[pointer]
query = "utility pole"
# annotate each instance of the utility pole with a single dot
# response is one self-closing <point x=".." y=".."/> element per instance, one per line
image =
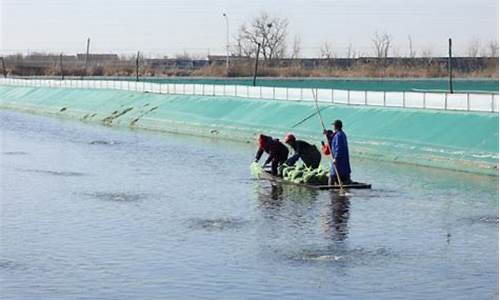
<point x="61" y="65"/>
<point x="227" y="41"/>
<point x="3" y="68"/>
<point x="137" y="67"/>
<point x="87" y="58"/>
<point x="450" y="83"/>
<point x="258" y="51"/>
<point x="256" y="64"/>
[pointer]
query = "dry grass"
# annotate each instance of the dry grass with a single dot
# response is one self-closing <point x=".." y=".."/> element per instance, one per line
<point x="365" y="70"/>
<point x="246" y="69"/>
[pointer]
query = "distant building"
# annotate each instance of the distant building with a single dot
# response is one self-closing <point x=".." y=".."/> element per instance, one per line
<point x="220" y="60"/>
<point x="48" y="58"/>
<point x="99" y="58"/>
<point x="175" y="63"/>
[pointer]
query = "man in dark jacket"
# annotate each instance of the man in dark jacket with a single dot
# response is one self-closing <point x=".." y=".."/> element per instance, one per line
<point x="303" y="150"/>
<point x="278" y="153"/>
<point x="340" y="154"/>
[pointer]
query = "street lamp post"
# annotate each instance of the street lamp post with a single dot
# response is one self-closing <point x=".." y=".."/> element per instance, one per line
<point x="227" y="40"/>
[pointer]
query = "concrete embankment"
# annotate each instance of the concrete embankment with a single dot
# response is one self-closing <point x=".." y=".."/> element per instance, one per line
<point x="452" y="140"/>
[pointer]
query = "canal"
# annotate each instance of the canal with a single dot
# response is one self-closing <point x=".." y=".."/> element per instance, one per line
<point x="89" y="212"/>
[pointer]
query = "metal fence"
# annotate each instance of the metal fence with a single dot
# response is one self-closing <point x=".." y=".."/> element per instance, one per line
<point x="419" y="100"/>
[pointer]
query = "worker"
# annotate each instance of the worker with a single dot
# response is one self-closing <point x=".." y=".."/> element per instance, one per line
<point x="340" y="154"/>
<point x="278" y="152"/>
<point x="308" y="153"/>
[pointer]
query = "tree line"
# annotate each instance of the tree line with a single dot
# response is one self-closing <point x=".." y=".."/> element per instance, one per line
<point x="271" y="34"/>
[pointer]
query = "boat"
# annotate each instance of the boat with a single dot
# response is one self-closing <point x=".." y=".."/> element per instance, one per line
<point x="265" y="174"/>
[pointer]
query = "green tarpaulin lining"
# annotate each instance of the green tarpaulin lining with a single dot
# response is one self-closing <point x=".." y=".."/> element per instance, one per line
<point x="454" y="140"/>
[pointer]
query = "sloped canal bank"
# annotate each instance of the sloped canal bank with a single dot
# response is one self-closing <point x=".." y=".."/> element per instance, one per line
<point x="464" y="141"/>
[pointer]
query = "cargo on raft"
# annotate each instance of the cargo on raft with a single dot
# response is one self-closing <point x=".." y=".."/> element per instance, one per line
<point x="303" y="176"/>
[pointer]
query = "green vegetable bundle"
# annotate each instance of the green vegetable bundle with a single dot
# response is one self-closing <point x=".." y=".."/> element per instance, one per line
<point x="304" y="175"/>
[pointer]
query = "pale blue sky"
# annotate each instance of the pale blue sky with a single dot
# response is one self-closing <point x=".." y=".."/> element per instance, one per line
<point x="172" y="26"/>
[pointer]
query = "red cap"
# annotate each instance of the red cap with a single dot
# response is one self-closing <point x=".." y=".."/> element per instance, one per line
<point x="289" y="137"/>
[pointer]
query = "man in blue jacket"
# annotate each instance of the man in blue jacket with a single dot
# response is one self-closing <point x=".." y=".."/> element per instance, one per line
<point x="340" y="154"/>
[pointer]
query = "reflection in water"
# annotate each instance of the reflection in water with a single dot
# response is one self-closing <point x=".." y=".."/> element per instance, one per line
<point x="276" y="192"/>
<point x="341" y="255"/>
<point x="276" y="195"/>
<point x="335" y="219"/>
<point x="117" y="196"/>
<point x="217" y="224"/>
<point x="270" y="197"/>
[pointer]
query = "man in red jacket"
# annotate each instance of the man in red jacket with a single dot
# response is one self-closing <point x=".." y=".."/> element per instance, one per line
<point x="278" y="152"/>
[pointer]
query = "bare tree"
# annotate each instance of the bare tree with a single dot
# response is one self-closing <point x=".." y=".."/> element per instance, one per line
<point x="184" y="55"/>
<point x="382" y="43"/>
<point x="427" y="52"/>
<point x="396" y="52"/>
<point x="492" y="48"/>
<point x="360" y="53"/>
<point x="244" y="47"/>
<point x="350" y="51"/>
<point x="296" y="47"/>
<point x="411" y="52"/>
<point x="237" y="49"/>
<point x="268" y="31"/>
<point x="473" y="48"/>
<point x="326" y="51"/>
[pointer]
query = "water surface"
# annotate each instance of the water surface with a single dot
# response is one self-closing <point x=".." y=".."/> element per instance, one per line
<point x="89" y="212"/>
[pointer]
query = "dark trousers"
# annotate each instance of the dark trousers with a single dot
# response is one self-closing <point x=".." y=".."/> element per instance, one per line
<point x="311" y="158"/>
<point x="345" y="180"/>
<point x="276" y="163"/>
<point x="315" y="159"/>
